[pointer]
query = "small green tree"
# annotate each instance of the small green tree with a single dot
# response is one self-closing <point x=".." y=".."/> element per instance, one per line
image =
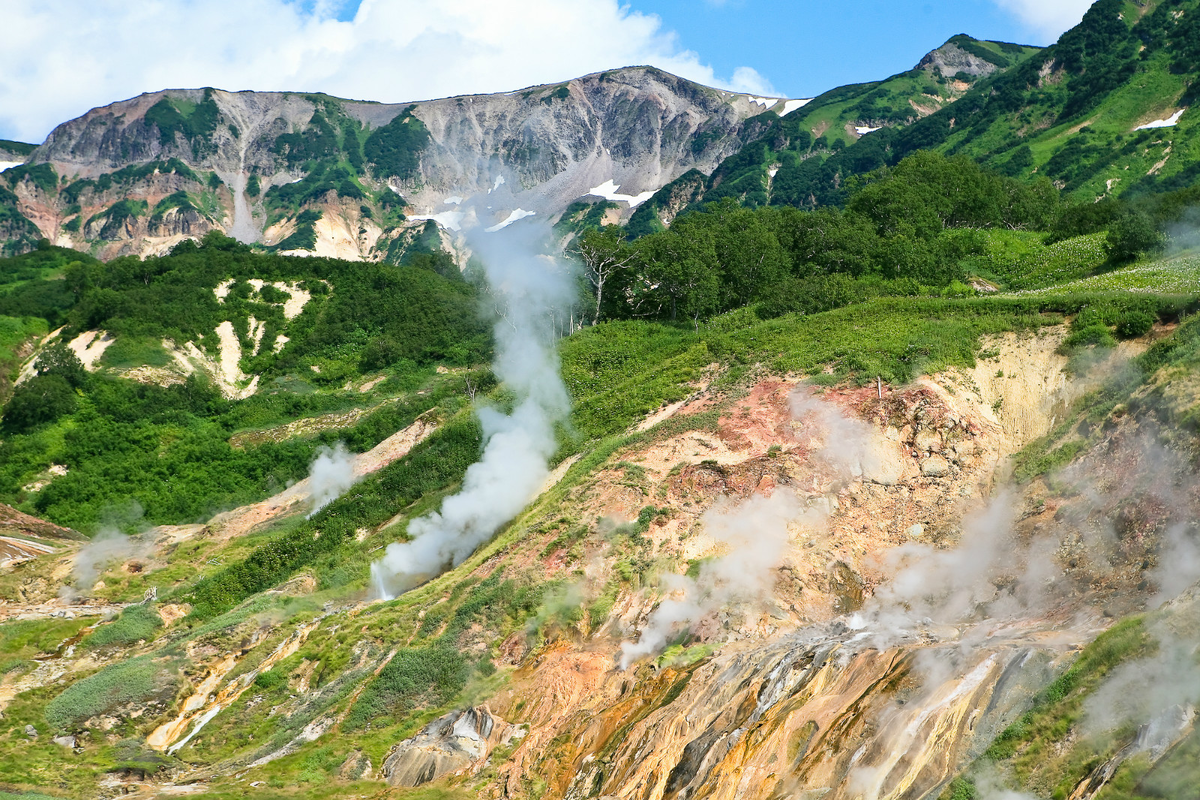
<point x="41" y="399"/>
<point x="1133" y="234"/>
<point x="60" y="360"/>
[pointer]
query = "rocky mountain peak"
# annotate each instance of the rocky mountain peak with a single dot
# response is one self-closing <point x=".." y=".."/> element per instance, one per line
<point x="961" y="54"/>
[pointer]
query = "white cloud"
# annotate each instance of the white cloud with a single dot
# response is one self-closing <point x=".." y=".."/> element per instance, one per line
<point x="62" y="57"/>
<point x="1048" y="18"/>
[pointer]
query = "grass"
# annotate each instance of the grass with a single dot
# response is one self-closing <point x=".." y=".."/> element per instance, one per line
<point x="1032" y="747"/>
<point x="1022" y="262"/>
<point x="135" y="624"/>
<point x="1177" y="274"/>
<point x="23" y="640"/>
<point x="133" y="681"/>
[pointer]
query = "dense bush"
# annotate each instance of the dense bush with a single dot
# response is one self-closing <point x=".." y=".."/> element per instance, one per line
<point x="38" y="401"/>
<point x="134" y="681"/>
<point x="394" y="150"/>
<point x="1132" y="235"/>
<point x="136" y="623"/>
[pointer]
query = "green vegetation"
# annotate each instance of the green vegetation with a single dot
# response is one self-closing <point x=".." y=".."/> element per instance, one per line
<point x="394" y="150"/>
<point x="168" y="447"/>
<point x="1068" y="113"/>
<point x="136" y="623"/>
<point x="304" y="237"/>
<point x="195" y="122"/>
<point x="125" y="179"/>
<point x="132" y="681"/>
<point x="20" y="148"/>
<point x="42" y="176"/>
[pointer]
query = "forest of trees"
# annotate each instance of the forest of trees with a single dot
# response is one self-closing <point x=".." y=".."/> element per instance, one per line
<point x="920" y="227"/>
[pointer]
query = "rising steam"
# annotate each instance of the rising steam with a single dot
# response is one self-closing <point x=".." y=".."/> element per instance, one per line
<point x="755" y="532"/>
<point x="528" y="288"/>
<point x="332" y="473"/>
<point x="108" y="545"/>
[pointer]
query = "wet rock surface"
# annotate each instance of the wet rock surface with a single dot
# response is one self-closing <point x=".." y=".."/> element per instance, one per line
<point x="456" y="742"/>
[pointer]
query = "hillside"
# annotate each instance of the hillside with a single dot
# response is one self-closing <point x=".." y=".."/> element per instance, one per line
<point x="1103" y="112"/>
<point x="775" y="168"/>
<point x="882" y="490"/>
<point x="361" y="180"/>
<point x="140" y="175"/>
<point x="928" y="525"/>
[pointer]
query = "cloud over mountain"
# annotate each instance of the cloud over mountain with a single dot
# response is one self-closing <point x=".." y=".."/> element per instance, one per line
<point x="1048" y="18"/>
<point x="70" y="57"/>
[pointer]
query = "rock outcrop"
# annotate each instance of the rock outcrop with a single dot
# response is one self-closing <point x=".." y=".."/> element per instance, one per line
<point x="950" y="60"/>
<point x="459" y="741"/>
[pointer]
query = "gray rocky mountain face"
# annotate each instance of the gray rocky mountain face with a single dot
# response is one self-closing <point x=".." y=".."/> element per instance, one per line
<point x="248" y="163"/>
<point x="950" y="60"/>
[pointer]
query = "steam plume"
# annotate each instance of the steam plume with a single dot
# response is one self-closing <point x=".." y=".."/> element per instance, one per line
<point x="846" y="442"/>
<point x="107" y="546"/>
<point x="331" y="474"/>
<point x="756" y="532"/>
<point x="528" y="288"/>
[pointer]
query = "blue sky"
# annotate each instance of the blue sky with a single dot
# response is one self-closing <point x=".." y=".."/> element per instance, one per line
<point x="397" y="51"/>
<point x="804" y="48"/>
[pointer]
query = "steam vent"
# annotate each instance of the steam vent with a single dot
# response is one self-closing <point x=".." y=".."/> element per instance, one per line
<point x="672" y="432"/>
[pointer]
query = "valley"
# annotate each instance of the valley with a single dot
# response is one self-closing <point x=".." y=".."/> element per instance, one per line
<point x="615" y="438"/>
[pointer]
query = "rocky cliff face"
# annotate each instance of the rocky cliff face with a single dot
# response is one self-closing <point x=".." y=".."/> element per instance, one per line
<point x="249" y="162"/>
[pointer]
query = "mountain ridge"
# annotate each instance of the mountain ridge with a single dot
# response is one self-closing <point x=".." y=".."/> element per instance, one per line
<point x="573" y="139"/>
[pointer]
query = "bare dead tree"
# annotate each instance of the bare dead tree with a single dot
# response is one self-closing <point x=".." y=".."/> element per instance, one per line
<point x="603" y="256"/>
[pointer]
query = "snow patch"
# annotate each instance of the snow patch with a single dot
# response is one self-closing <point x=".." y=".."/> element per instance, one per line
<point x="453" y="201"/>
<point x="609" y="191"/>
<point x="863" y="130"/>
<point x="1169" y="122"/>
<point x="765" y="102"/>
<point x="9" y="164"/>
<point x="791" y="105"/>
<point x="447" y="219"/>
<point x="499" y="182"/>
<point x="513" y="216"/>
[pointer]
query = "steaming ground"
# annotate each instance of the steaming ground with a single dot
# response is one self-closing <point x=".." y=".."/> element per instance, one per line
<point x="331" y="474"/>
<point x="528" y="289"/>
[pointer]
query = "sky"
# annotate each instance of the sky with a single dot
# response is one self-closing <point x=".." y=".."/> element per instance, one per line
<point x="61" y="58"/>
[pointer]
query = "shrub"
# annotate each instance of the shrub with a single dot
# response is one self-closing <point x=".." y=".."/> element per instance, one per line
<point x="269" y="679"/>
<point x="1133" y="234"/>
<point x="136" y="623"/>
<point x="1133" y="324"/>
<point x="40" y="400"/>
<point x="1096" y="334"/>
<point x="133" y="681"/>
<point x="60" y="360"/>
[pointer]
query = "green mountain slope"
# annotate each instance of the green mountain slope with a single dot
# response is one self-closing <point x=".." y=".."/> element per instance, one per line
<point x="1070" y="113"/>
<point x="777" y="167"/>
